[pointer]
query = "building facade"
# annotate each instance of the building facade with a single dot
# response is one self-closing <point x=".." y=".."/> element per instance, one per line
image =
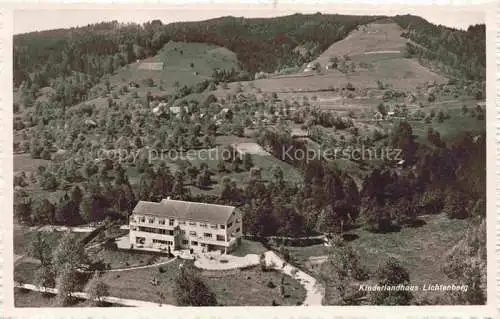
<point x="178" y="225"/>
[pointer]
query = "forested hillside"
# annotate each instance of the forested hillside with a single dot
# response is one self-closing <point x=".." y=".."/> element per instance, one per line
<point x="260" y="44"/>
<point x="458" y="50"/>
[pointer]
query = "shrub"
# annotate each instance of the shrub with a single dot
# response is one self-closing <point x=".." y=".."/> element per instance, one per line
<point x="110" y="244"/>
<point x="431" y="97"/>
<point x="392" y="273"/>
<point x="455" y="206"/>
<point x="380" y="85"/>
<point x="270" y="284"/>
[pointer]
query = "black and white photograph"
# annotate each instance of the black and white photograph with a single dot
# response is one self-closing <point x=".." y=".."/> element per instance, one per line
<point x="249" y="158"/>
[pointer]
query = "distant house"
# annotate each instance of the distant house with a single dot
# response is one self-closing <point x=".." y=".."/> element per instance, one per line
<point x="378" y="116"/>
<point x="156" y="110"/>
<point x="390" y="115"/>
<point x="90" y="123"/>
<point x="248" y="148"/>
<point x="260" y="75"/>
<point x="175" y="110"/>
<point x="331" y="66"/>
<point x="297" y="132"/>
<point x="310" y="67"/>
<point x="159" y="109"/>
<point x="151" y="66"/>
<point x="132" y="84"/>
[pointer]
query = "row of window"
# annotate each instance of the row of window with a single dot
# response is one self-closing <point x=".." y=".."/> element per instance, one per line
<point x="171" y="221"/>
<point x="163" y="242"/>
<point x="170" y="232"/>
<point x="151" y="220"/>
<point x="208" y="235"/>
<point x="141" y="240"/>
<point x="154" y="230"/>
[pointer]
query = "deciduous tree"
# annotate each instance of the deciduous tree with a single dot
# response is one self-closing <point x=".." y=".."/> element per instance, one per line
<point x="96" y="290"/>
<point x="190" y="290"/>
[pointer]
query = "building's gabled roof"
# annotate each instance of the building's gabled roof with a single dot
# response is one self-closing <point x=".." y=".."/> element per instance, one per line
<point x="200" y="212"/>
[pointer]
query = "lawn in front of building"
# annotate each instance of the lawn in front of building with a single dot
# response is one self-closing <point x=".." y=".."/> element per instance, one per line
<point x="113" y="258"/>
<point x="254" y="287"/>
<point x="249" y="287"/>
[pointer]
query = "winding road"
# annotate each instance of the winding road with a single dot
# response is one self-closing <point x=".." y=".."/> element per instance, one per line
<point x="314" y="290"/>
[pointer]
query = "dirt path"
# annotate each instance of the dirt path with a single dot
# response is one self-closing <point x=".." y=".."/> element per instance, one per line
<point x="314" y="290"/>
<point x="84" y="295"/>
<point x="67" y="229"/>
<point x="384" y="51"/>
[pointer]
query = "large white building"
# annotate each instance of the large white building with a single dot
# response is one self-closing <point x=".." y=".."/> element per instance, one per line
<point x="185" y="225"/>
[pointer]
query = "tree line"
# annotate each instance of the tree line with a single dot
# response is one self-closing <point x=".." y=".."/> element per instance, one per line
<point x="462" y="50"/>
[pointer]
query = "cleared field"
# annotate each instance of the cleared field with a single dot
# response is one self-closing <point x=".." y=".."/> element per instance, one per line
<point x="398" y="72"/>
<point x="242" y="177"/>
<point x="449" y="128"/>
<point x="369" y="38"/>
<point x="181" y="64"/>
<point x="265" y="162"/>
<point x="379" y="44"/>
<point x="418" y="256"/>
